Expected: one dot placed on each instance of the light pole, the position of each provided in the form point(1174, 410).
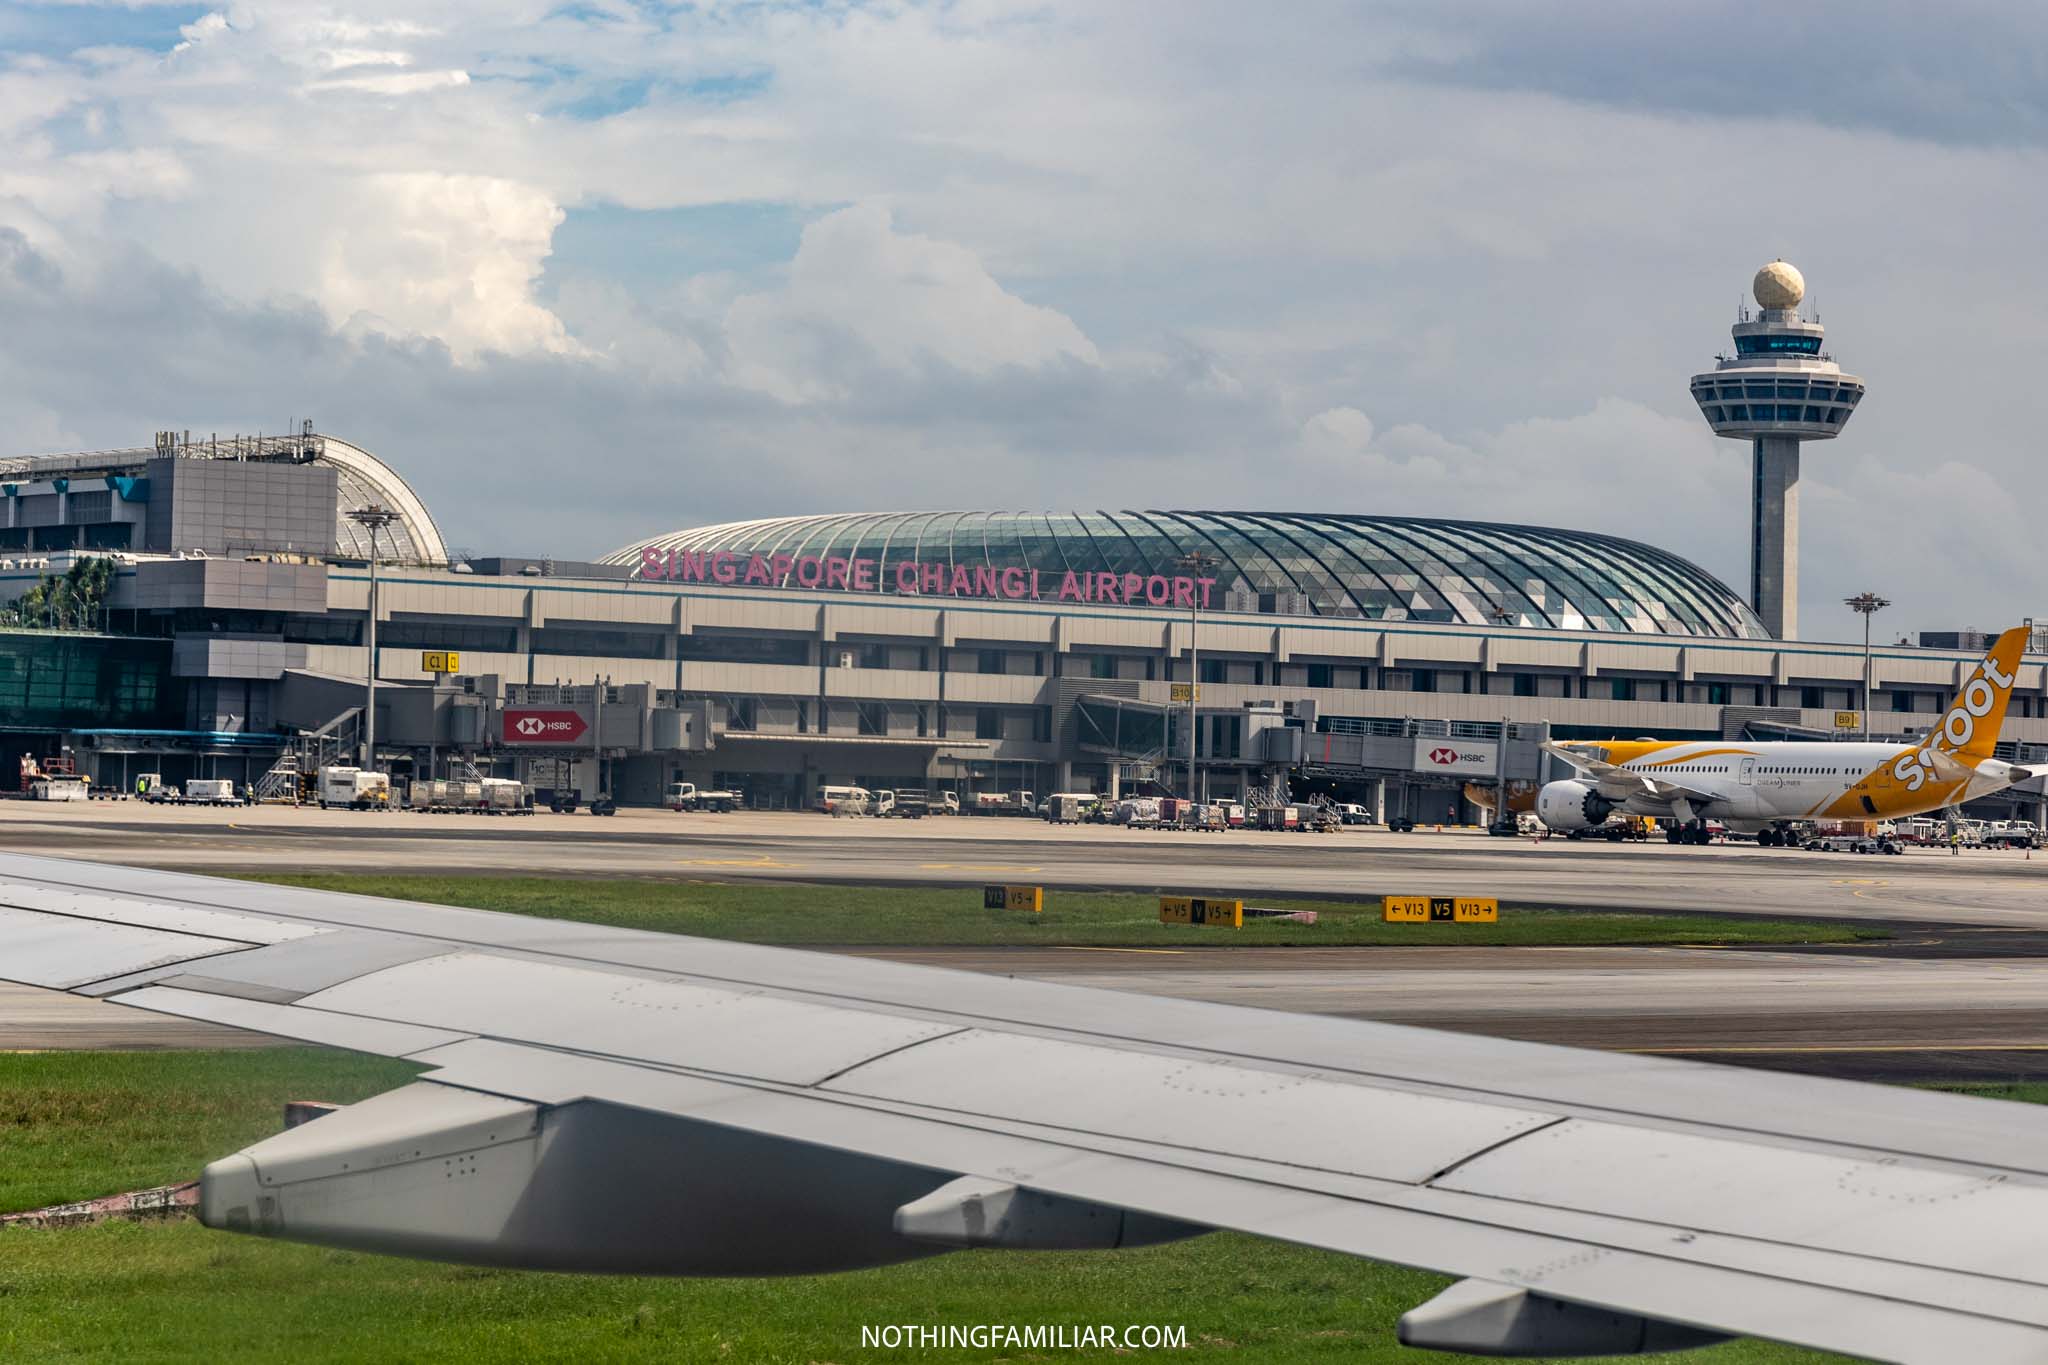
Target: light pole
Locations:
point(1866, 605)
point(1195, 563)
point(372, 519)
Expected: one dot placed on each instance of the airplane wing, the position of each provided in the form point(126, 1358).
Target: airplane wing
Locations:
point(606, 1099)
point(1619, 784)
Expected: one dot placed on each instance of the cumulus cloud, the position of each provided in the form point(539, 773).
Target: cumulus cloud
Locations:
point(1381, 259)
point(859, 293)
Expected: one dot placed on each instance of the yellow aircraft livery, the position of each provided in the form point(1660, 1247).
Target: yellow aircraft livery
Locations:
point(1763, 786)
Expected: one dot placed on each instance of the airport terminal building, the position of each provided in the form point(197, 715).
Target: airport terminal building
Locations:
point(1391, 660)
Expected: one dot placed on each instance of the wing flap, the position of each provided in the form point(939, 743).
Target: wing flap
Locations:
point(380, 1036)
point(1667, 1272)
point(64, 953)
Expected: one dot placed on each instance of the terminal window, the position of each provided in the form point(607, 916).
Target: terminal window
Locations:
point(1319, 675)
point(988, 723)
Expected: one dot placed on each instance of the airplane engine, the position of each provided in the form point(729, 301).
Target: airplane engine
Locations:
point(1572, 804)
point(448, 1174)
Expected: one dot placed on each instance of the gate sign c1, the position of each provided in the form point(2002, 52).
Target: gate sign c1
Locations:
point(1456, 756)
point(543, 725)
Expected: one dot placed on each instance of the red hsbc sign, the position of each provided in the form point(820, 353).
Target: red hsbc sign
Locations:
point(1443, 757)
point(527, 726)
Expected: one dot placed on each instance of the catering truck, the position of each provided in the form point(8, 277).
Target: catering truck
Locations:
point(354, 788)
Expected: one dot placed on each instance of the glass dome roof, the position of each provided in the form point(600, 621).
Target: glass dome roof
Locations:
point(1373, 568)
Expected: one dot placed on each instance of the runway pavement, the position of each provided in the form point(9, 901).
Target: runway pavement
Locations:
point(1964, 993)
point(2000, 889)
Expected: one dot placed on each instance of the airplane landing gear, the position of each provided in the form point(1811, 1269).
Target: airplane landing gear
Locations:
point(1694, 832)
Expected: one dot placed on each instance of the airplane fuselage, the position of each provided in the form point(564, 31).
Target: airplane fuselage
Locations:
point(1774, 781)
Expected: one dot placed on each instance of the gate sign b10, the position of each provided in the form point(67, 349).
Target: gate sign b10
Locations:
point(1439, 910)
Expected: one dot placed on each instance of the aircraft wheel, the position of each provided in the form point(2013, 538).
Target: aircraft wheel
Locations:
point(1673, 835)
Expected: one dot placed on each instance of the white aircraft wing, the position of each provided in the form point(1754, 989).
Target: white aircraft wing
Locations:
point(1619, 783)
point(606, 1099)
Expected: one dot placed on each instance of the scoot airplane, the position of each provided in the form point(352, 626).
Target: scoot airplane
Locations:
point(1758, 788)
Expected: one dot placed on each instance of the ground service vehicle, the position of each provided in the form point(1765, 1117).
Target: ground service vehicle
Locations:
point(948, 804)
point(829, 798)
point(1005, 803)
point(211, 791)
point(1764, 787)
point(354, 788)
point(1070, 808)
point(1353, 815)
point(911, 803)
point(686, 796)
point(506, 796)
point(2011, 834)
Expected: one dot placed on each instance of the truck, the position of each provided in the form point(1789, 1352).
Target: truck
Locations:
point(687, 796)
point(354, 788)
point(1005, 803)
point(912, 803)
point(2011, 834)
point(1070, 808)
point(58, 787)
point(210, 791)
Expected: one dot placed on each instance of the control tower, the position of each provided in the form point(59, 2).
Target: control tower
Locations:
point(1777, 390)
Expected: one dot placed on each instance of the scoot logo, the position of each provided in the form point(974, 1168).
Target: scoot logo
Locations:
point(1960, 724)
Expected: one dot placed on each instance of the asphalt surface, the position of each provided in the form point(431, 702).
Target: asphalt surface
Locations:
point(1961, 993)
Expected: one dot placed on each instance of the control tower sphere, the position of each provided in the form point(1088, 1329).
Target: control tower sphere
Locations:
point(1778, 285)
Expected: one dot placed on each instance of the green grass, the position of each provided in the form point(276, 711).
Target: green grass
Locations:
point(75, 1125)
point(754, 912)
point(172, 1290)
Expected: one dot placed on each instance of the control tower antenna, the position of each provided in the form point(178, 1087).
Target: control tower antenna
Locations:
point(1776, 392)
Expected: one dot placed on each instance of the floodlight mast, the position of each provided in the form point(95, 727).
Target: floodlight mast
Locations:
point(1866, 605)
point(1196, 564)
point(373, 519)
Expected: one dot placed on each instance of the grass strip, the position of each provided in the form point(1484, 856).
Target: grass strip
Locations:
point(886, 916)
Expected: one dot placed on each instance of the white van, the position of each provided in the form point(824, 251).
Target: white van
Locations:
point(831, 798)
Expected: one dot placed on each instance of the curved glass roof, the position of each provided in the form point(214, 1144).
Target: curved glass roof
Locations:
point(1372, 568)
point(361, 478)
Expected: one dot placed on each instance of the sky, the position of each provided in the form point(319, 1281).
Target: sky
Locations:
point(590, 271)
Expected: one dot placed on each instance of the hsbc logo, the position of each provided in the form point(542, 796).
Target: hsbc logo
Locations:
point(543, 727)
point(1443, 757)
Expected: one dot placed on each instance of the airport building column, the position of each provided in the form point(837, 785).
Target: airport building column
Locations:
point(1065, 779)
point(1379, 800)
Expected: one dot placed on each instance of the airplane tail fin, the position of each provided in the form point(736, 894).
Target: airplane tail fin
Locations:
point(1970, 726)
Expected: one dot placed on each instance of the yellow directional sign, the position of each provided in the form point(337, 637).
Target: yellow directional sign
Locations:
point(1185, 692)
point(440, 661)
point(1847, 720)
point(1439, 910)
point(1030, 898)
point(1200, 910)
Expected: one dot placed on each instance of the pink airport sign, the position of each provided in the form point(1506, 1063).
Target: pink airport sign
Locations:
point(921, 578)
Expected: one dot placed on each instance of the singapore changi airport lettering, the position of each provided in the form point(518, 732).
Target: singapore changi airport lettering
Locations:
point(921, 578)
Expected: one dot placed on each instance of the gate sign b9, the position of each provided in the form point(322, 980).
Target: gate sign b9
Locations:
point(1439, 910)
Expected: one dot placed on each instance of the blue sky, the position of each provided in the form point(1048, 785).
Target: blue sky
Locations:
point(589, 272)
